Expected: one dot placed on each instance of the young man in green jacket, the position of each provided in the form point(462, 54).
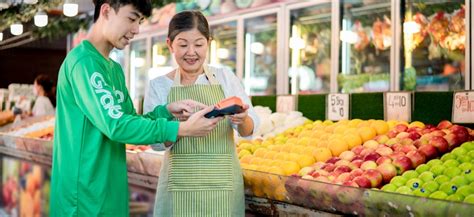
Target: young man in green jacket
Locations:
point(95, 118)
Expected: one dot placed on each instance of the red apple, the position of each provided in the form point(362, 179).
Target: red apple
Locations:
point(396, 154)
point(383, 159)
point(333, 160)
point(439, 143)
point(388, 171)
point(402, 135)
point(347, 155)
point(402, 164)
point(392, 141)
point(318, 165)
point(357, 163)
point(396, 146)
point(461, 133)
point(368, 165)
point(408, 148)
point(429, 126)
point(426, 131)
point(445, 124)
point(358, 149)
point(371, 144)
point(429, 151)
point(401, 128)
point(342, 169)
point(406, 141)
point(392, 134)
point(342, 162)
point(350, 183)
point(372, 156)
point(414, 135)
point(420, 142)
point(381, 139)
point(452, 140)
point(362, 181)
point(322, 179)
point(356, 172)
point(437, 133)
point(343, 177)
point(374, 176)
point(319, 173)
point(329, 167)
point(384, 151)
point(416, 158)
point(358, 157)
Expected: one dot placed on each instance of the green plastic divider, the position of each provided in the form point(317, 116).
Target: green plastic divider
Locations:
point(432, 107)
point(268, 101)
point(366, 106)
point(313, 106)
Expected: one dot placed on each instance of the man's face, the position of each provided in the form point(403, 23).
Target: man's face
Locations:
point(189, 49)
point(122, 25)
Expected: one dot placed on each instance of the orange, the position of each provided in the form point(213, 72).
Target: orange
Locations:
point(270, 154)
point(256, 161)
point(322, 154)
point(317, 133)
point(327, 122)
point(280, 156)
point(289, 167)
point(305, 133)
point(367, 133)
point(292, 157)
point(305, 160)
point(352, 140)
point(303, 141)
point(246, 159)
point(417, 124)
point(354, 122)
point(286, 148)
point(244, 152)
point(267, 162)
point(381, 127)
point(260, 152)
point(297, 149)
point(337, 146)
point(340, 129)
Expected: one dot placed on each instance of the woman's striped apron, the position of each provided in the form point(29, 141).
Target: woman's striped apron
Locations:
point(201, 176)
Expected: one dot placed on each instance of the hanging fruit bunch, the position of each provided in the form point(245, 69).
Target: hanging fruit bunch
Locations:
point(456, 37)
point(438, 27)
point(363, 41)
point(382, 33)
point(420, 36)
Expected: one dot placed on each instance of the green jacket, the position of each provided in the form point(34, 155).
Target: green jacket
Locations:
point(95, 117)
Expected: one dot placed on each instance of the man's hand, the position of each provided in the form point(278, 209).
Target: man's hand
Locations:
point(184, 108)
point(197, 124)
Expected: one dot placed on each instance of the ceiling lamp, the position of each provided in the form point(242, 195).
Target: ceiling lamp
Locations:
point(70, 9)
point(30, 1)
point(41, 19)
point(16, 29)
point(1, 36)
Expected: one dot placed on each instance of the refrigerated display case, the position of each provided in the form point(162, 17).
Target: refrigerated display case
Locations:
point(260, 50)
point(310, 49)
point(162, 62)
point(434, 43)
point(223, 47)
point(138, 69)
point(365, 43)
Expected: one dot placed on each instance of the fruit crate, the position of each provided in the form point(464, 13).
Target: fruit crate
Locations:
point(151, 161)
point(134, 164)
point(346, 199)
point(36, 146)
point(13, 141)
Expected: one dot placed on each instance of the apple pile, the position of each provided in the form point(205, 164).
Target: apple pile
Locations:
point(380, 159)
point(449, 178)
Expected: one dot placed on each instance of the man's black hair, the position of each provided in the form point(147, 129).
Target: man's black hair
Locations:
point(143, 6)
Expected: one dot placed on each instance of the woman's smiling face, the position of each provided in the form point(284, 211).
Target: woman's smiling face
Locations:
point(189, 49)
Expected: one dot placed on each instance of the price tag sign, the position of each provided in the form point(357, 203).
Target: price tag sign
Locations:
point(463, 107)
point(397, 106)
point(286, 103)
point(337, 107)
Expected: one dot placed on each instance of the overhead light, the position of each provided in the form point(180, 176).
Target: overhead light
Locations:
point(41, 19)
point(16, 29)
point(348, 36)
point(411, 27)
point(30, 1)
point(257, 48)
point(1, 36)
point(70, 8)
point(297, 43)
point(223, 53)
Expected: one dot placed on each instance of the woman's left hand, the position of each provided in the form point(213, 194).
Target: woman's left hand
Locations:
point(239, 118)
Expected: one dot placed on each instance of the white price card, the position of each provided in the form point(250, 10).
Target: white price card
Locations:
point(286, 103)
point(463, 107)
point(337, 106)
point(397, 106)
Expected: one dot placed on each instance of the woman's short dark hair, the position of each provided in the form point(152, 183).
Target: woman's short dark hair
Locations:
point(187, 20)
point(48, 86)
point(144, 6)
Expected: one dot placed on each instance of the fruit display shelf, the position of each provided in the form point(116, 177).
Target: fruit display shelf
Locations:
point(346, 200)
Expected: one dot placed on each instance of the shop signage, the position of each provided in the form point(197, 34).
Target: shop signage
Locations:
point(397, 106)
point(337, 106)
point(463, 107)
point(286, 103)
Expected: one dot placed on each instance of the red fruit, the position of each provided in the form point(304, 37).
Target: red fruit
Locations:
point(384, 159)
point(318, 173)
point(392, 134)
point(401, 128)
point(408, 148)
point(356, 172)
point(439, 143)
point(350, 183)
point(388, 171)
point(372, 156)
point(357, 163)
point(342, 169)
point(374, 176)
point(461, 133)
point(329, 167)
point(362, 181)
point(437, 133)
point(344, 177)
point(444, 124)
point(402, 164)
point(452, 140)
point(429, 151)
point(366, 152)
point(420, 142)
point(397, 146)
point(358, 149)
point(396, 154)
point(384, 150)
point(333, 160)
point(416, 158)
point(414, 135)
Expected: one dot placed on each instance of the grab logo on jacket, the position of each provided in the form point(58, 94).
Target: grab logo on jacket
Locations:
point(107, 100)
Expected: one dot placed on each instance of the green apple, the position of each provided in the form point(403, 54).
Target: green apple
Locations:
point(437, 169)
point(414, 183)
point(422, 168)
point(451, 163)
point(426, 176)
point(469, 146)
point(469, 175)
point(421, 192)
point(389, 187)
point(459, 180)
point(442, 179)
point(472, 184)
point(410, 174)
point(454, 197)
point(430, 186)
point(466, 166)
point(448, 188)
point(404, 190)
point(471, 154)
point(465, 190)
point(469, 199)
point(438, 195)
point(464, 159)
point(448, 156)
point(459, 151)
point(398, 181)
point(433, 162)
point(452, 172)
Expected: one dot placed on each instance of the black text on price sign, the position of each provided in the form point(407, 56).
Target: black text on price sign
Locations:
point(337, 107)
point(463, 107)
point(397, 106)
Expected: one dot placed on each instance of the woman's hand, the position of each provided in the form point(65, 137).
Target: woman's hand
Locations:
point(183, 109)
point(239, 118)
point(243, 121)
